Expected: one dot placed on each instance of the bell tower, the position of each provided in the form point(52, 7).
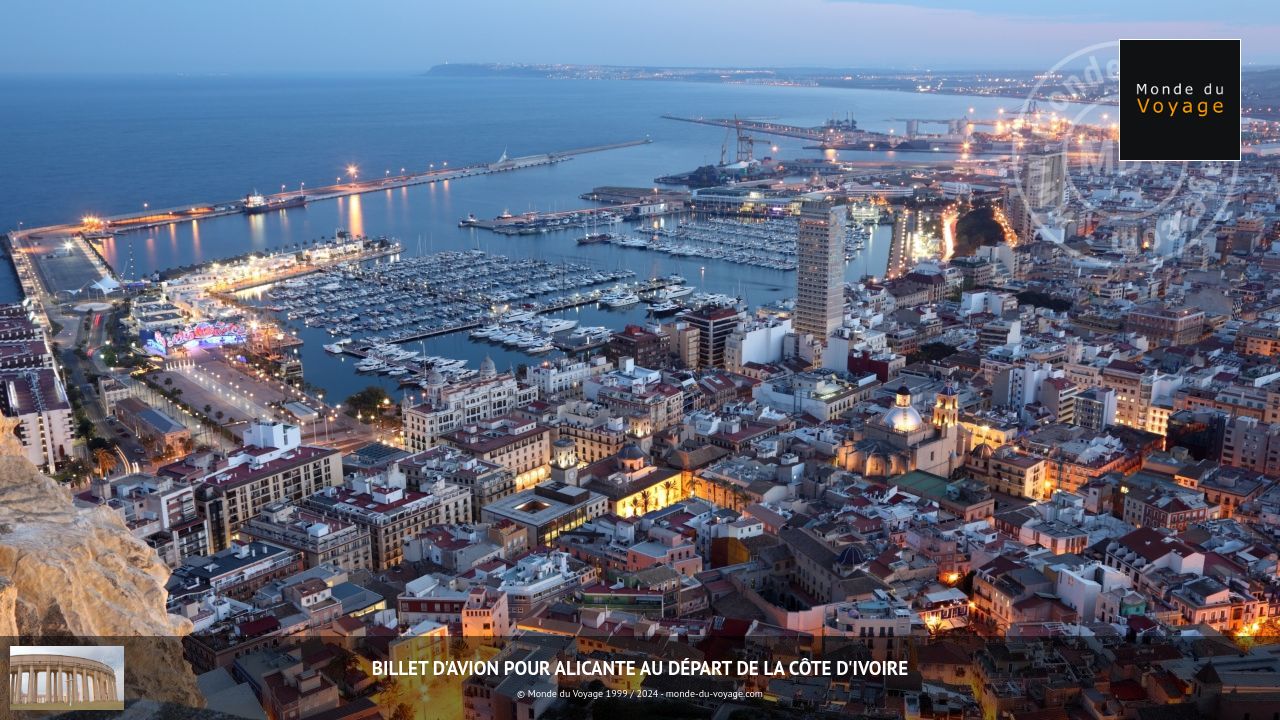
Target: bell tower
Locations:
point(946, 411)
point(564, 461)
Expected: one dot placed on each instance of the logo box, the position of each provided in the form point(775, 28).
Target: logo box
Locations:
point(1180, 100)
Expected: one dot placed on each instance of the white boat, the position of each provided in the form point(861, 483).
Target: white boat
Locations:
point(334, 348)
point(664, 307)
point(555, 325)
point(620, 300)
point(671, 292)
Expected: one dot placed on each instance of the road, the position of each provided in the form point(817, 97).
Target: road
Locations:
point(241, 393)
point(128, 449)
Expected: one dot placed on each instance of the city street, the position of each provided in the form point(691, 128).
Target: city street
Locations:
point(209, 380)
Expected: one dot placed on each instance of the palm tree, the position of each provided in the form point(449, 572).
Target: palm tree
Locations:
point(106, 461)
point(694, 484)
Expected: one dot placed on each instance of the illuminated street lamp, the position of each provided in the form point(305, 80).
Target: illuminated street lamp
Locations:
point(353, 171)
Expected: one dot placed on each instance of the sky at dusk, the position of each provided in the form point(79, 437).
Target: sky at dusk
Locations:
point(403, 36)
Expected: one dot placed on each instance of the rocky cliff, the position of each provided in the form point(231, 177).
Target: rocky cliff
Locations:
point(73, 575)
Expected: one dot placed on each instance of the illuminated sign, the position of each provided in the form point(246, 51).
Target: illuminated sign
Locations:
point(203, 334)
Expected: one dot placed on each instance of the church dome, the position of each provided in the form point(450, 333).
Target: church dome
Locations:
point(487, 368)
point(851, 555)
point(631, 451)
point(435, 377)
point(903, 419)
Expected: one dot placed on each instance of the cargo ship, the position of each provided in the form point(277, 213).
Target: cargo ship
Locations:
point(255, 203)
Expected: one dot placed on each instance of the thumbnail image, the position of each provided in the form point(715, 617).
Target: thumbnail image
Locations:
point(66, 677)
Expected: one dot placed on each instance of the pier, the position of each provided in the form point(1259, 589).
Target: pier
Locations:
point(534, 223)
point(296, 271)
point(837, 136)
point(153, 218)
point(763, 128)
point(32, 247)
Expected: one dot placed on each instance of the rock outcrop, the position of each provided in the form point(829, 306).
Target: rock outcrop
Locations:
point(71, 575)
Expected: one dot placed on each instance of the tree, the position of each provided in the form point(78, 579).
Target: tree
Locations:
point(368, 401)
point(343, 662)
point(218, 415)
point(105, 460)
point(74, 471)
point(208, 408)
point(670, 486)
point(1039, 299)
point(168, 381)
point(931, 352)
point(694, 485)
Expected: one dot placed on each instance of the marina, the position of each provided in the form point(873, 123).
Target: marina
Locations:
point(768, 243)
point(503, 300)
point(423, 296)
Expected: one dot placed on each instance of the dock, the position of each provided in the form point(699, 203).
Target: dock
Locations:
point(567, 303)
point(823, 137)
point(153, 218)
point(38, 241)
point(309, 268)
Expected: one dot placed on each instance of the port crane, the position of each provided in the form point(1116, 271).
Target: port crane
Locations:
point(746, 144)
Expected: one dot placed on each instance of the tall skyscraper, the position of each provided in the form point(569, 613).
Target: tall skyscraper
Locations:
point(1043, 177)
point(1042, 189)
point(820, 275)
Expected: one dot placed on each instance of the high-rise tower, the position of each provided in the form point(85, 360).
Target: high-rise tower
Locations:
point(820, 275)
point(1041, 190)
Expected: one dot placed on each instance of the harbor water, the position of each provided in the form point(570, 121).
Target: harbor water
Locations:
point(106, 146)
